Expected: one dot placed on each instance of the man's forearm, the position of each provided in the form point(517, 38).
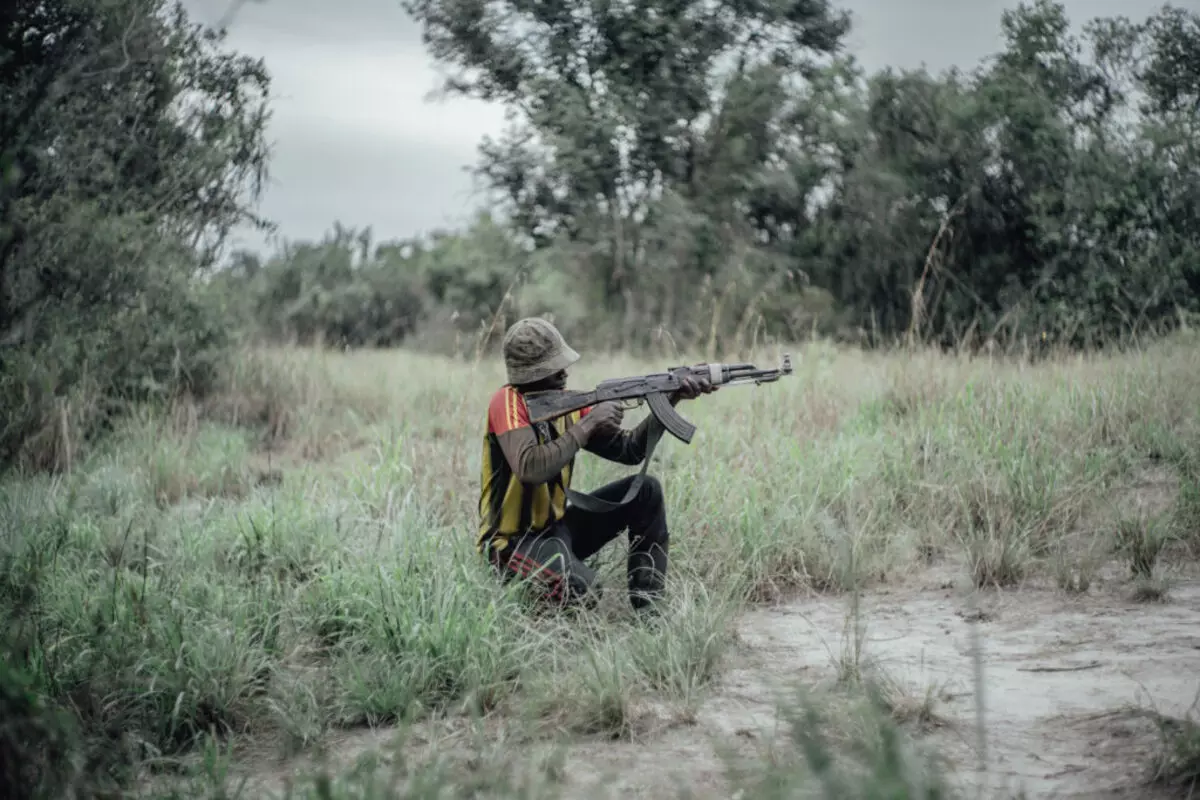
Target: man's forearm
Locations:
point(623, 447)
point(535, 463)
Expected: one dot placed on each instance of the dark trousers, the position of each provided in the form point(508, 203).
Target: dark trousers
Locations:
point(554, 558)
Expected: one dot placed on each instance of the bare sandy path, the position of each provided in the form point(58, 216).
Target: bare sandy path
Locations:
point(1060, 674)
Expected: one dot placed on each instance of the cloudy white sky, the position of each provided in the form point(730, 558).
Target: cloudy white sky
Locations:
point(356, 139)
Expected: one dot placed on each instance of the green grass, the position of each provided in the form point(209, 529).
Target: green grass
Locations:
point(296, 556)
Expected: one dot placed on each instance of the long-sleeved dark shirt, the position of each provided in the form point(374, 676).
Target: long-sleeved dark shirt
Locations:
point(526, 469)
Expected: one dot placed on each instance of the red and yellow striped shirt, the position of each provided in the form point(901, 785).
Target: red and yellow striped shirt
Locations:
point(507, 507)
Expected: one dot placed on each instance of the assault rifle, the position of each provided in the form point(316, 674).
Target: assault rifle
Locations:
point(654, 390)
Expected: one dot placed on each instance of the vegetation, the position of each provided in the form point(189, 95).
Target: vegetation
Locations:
point(131, 145)
point(214, 534)
point(191, 579)
point(682, 175)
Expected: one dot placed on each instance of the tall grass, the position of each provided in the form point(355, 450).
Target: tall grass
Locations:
point(297, 555)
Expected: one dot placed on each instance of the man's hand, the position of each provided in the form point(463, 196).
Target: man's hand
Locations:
point(604, 419)
point(692, 388)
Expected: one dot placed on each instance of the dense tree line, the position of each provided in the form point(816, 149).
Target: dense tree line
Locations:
point(715, 171)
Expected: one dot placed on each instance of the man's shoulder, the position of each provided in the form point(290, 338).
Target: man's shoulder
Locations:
point(506, 410)
point(506, 395)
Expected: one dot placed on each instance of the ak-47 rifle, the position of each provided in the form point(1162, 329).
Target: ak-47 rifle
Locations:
point(654, 390)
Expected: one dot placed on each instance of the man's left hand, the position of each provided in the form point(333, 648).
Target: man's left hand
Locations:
point(691, 388)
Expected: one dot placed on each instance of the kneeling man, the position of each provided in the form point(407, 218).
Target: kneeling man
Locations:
point(527, 528)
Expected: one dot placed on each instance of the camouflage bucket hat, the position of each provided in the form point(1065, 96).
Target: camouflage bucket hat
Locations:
point(534, 349)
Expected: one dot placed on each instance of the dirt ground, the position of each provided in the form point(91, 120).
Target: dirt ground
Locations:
point(1060, 675)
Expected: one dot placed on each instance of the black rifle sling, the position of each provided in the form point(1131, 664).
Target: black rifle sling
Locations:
point(598, 505)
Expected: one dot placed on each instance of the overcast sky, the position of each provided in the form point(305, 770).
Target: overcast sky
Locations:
point(355, 138)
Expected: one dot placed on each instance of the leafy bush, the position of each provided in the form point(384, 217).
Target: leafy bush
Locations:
point(129, 141)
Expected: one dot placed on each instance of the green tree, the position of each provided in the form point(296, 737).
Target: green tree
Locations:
point(633, 126)
point(1036, 195)
point(131, 145)
point(720, 170)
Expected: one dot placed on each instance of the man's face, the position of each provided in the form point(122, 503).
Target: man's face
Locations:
point(550, 383)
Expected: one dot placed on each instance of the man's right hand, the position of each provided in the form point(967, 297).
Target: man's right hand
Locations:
point(604, 419)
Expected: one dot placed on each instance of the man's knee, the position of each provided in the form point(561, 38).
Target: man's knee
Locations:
point(651, 493)
point(652, 505)
point(649, 521)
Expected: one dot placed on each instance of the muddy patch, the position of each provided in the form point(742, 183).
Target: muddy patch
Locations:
point(1060, 674)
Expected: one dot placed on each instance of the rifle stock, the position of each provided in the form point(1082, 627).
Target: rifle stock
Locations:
point(545, 406)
